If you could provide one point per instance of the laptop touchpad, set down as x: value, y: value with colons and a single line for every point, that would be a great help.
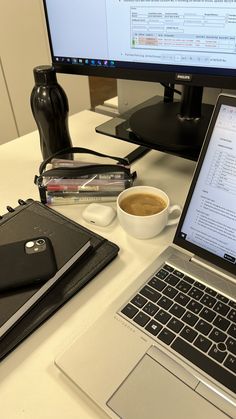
x: 151, y: 391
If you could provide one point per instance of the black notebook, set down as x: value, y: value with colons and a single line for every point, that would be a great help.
x: 33, y: 219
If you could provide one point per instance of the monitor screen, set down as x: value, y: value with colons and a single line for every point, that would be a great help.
x: 174, y: 41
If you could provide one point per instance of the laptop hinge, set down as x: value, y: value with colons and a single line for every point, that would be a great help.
x: 212, y: 268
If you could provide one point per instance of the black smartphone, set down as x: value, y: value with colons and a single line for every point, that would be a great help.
x: 26, y: 262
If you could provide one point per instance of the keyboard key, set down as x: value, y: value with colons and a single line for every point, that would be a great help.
x: 188, y: 333
x: 178, y: 273
x: 165, y: 303
x: 168, y: 268
x: 129, y: 311
x: 139, y: 301
x: 162, y: 316
x: 172, y: 280
x: 230, y: 363
x: 199, y: 285
x: 207, y: 364
x: 217, y: 354
x: 194, y: 306
x: 232, y: 315
x: 232, y: 330
x: 177, y: 310
x: 183, y: 286
x: 203, y: 327
x: 195, y: 293
x: 166, y: 336
x: 222, y: 298
x: 221, y: 308
x: 153, y: 327
x: 217, y: 336
x: 221, y: 323
x: 157, y: 284
x: 231, y: 345
x: 188, y: 279
x: 202, y: 343
x: 170, y: 292
x: 150, y: 293
x: 208, y: 300
x: 150, y: 308
x: 141, y: 319
x: 222, y: 347
x: 162, y: 274
x: 175, y: 325
x: 211, y: 292
x: 190, y: 318
x: 232, y: 304
x: 182, y: 299
x: 207, y: 314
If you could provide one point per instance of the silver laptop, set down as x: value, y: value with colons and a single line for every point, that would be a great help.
x: 167, y: 347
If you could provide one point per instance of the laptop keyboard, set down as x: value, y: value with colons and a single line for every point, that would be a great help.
x: 194, y: 320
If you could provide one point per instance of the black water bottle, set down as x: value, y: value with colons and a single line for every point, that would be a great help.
x: 50, y: 108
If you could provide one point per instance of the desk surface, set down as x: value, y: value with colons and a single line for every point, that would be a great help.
x: 31, y: 387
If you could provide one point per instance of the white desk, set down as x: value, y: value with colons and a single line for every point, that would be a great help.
x: 31, y: 387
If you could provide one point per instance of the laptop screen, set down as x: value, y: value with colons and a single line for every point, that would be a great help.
x: 208, y: 223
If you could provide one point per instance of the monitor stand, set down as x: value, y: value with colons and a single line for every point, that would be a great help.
x: 172, y: 127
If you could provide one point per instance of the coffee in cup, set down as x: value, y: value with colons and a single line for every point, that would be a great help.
x: 143, y: 211
x: 142, y: 204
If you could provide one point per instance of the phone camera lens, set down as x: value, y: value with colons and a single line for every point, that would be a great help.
x: 29, y: 244
x: 40, y: 242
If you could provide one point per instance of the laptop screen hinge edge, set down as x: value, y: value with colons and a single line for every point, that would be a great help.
x: 209, y: 267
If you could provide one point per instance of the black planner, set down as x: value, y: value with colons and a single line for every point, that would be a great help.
x: 32, y: 219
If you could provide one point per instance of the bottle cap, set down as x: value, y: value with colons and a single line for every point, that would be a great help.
x: 45, y: 74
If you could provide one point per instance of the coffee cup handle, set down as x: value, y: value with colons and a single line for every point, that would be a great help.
x: 174, y: 220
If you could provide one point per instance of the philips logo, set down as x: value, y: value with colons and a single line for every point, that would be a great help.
x: 183, y: 77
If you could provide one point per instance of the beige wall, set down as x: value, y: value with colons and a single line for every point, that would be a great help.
x: 24, y: 45
x: 8, y: 128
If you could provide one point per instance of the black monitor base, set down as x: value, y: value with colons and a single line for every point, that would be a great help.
x: 155, y: 125
x: 160, y: 127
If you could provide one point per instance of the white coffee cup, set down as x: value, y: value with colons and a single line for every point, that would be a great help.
x: 146, y: 226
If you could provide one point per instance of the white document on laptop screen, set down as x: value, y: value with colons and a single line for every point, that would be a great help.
x: 210, y: 219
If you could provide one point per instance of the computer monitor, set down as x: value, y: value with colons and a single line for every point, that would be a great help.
x: 188, y: 42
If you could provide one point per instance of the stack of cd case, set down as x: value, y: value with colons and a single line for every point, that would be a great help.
x: 74, y: 182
